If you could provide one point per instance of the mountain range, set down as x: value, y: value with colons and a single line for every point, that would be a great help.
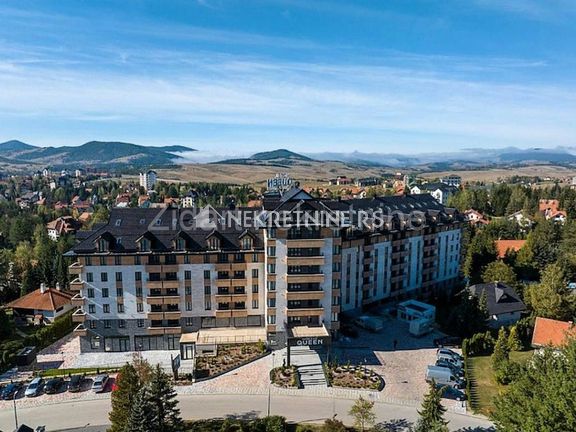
x: 93, y: 153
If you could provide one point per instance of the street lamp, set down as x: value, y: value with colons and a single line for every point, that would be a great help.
x: 270, y: 386
x: 15, y: 411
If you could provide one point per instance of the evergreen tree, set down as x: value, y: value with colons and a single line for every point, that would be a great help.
x: 498, y: 271
x: 501, y: 353
x: 432, y: 412
x: 551, y: 298
x: 163, y: 403
x: 514, y: 342
x: 127, y: 386
x: 480, y: 253
x: 363, y: 413
x: 140, y: 418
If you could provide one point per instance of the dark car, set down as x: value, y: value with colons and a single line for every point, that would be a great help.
x: 11, y: 390
x: 53, y: 385
x: 450, y: 392
x: 75, y: 384
x: 448, y: 341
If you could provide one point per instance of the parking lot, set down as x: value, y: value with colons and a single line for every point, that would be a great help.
x: 403, y: 368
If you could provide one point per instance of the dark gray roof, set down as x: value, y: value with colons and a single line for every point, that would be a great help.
x: 500, y: 298
x: 437, y: 185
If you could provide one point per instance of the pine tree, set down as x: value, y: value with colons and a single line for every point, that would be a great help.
x: 163, y: 403
x: 127, y: 386
x: 363, y: 413
x: 432, y: 413
x: 140, y: 419
x: 501, y: 353
x: 514, y: 342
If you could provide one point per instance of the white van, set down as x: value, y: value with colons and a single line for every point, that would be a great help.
x: 442, y: 376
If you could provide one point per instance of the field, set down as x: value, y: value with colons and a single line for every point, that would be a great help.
x: 484, y: 387
x: 494, y: 174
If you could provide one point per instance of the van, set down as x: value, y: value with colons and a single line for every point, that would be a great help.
x: 450, y: 359
x: 442, y: 376
x: 449, y: 352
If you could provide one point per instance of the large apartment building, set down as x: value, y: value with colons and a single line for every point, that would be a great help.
x: 149, y: 281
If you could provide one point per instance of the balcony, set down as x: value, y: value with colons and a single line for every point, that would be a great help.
x: 79, y: 316
x: 155, y: 316
x: 75, y: 268
x: 305, y: 278
x: 153, y: 268
x: 305, y: 243
x: 172, y: 315
x: 311, y: 260
x: 80, y: 330
x: 305, y: 295
x: 231, y: 313
x: 76, y: 285
x: 170, y: 268
x: 78, y: 300
x: 171, y: 284
x: 154, y: 284
x: 316, y: 311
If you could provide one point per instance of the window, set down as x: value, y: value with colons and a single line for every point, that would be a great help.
x: 137, y: 260
x: 91, y: 309
x: 138, y: 276
x: 271, y: 285
x: 207, y: 304
x: 88, y: 261
x: 271, y: 232
x: 188, y: 306
x: 255, y: 288
x: 139, y: 307
x: 95, y: 342
x: 187, y: 275
x: 120, y: 308
x: 189, y: 321
x: 89, y: 277
x: 90, y: 292
x: 119, y: 292
x: 206, y: 259
x: 93, y: 324
x: 271, y: 319
x: 118, y: 276
x: 104, y: 277
x: 140, y: 323
x: 271, y: 302
x: 103, y: 261
x: 107, y: 324
x: 121, y: 324
x: 188, y: 290
x: 144, y: 245
x: 272, y: 268
x: 207, y: 274
x: 255, y: 304
x: 117, y: 260
x: 272, y: 251
x: 246, y: 242
x: 186, y: 259
x: 105, y: 293
x: 213, y: 243
x: 255, y: 273
x: 139, y: 291
x: 106, y: 308
x: 207, y: 290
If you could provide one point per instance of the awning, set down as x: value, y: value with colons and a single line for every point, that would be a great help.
x: 225, y: 335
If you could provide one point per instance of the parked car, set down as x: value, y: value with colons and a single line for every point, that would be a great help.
x: 449, y: 352
x: 449, y: 392
x: 443, y: 376
x: 11, y: 390
x: 449, y: 359
x: 75, y: 384
x: 459, y: 372
x: 369, y: 323
x: 34, y: 388
x: 53, y: 385
x: 99, y: 383
x: 448, y: 341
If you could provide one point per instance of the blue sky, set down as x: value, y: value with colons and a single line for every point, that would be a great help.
x: 239, y: 76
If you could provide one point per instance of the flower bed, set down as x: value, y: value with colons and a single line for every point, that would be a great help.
x: 357, y: 377
x: 285, y: 376
x: 229, y: 357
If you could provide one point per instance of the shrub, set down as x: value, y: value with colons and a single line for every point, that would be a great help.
x: 333, y: 425
x: 507, y: 372
x: 479, y: 344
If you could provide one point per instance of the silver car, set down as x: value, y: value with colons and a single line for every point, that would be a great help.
x: 99, y: 383
x: 34, y: 388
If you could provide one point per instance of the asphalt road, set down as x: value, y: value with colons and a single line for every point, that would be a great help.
x: 77, y: 415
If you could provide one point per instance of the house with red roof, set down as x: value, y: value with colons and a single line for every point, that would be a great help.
x: 505, y: 246
x: 42, y: 306
x: 552, y: 333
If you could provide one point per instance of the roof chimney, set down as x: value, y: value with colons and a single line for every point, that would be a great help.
x: 42, y: 288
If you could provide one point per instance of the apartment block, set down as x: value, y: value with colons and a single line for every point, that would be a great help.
x: 158, y: 279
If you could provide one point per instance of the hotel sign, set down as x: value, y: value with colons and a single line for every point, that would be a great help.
x: 309, y: 341
x: 280, y: 182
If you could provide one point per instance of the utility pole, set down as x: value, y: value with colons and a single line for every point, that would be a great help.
x: 270, y: 387
x: 15, y: 411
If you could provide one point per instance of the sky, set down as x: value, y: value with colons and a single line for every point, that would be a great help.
x: 234, y: 77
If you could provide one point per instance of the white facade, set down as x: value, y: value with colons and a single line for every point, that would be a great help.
x: 148, y: 180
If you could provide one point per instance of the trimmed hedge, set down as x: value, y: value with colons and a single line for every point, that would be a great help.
x: 49, y: 334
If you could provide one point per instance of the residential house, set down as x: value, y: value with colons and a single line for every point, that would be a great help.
x: 42, y: 306
x: 368, y: 181
x: 552, y: 333
x: 189, y: 200
x: 475, y: 218
x: 440, y: 191
x: 503, y: 303
x: 123, y: 200
x: 521, y: 219
x: 62, y: 226
x: 551, y: 210
x: 505, y: 246
x: 452, y: 180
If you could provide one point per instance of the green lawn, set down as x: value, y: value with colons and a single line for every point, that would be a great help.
x: 484, y: 387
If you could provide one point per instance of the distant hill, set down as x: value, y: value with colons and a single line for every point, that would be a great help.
x: 95, y: 153
x: 280, y: 157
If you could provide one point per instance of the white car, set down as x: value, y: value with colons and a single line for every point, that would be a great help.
x: 34, y: 387
x: 99, y: 383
